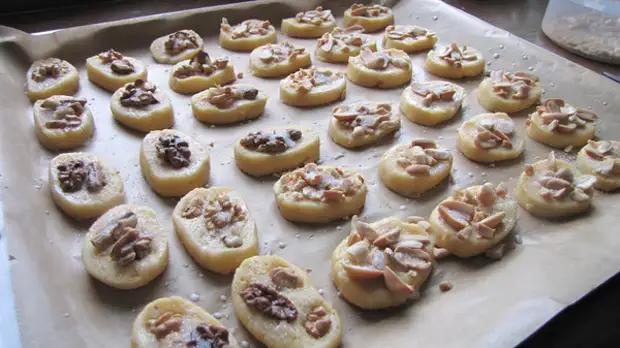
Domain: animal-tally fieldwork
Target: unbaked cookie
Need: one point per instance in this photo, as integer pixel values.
(320, 193)
(454, 61)
(412, 169)
(126, 248)
(386, 69)
(558, 124)
(111, 70)
(509, 92)
(142, 106)
(247, 35)
(474, 219)
(340, 44)
(602, 159)
(201, 72)
(228, 104)
(370, 17)
(62, 122)
(178, 46)
(276, 301)
(311, 87)
(216, 228)
(554, 188)
(383, 264)
(173, 163)
(363, 123)
(309, 24)
(276, 150)
(490, 137)
(409, 38)
(51, 76)
(431, 103)
(176, 322)
(83, 185)
(277, 60)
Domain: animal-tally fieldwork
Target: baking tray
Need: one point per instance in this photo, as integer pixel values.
(493, 304)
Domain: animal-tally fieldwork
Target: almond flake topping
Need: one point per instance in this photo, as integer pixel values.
(364, 119)
(421, 156)
(344, 39)
(407, 32)
(455, 55)
(360, 10)
(562, 183)
(382, 60)
(305, 79)
(317, 16)
(515, 85)
(321, 183)
(557, 116)
(434, 93)
(606, 152)
(283, 51)
(247, 28)
(494, 133)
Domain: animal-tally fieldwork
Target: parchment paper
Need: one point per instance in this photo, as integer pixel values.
(493, 304)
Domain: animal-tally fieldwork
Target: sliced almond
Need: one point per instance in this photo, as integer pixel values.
(462, 207)
(551, 161)
(396, 285)
(358, 252)
(565, 174)
(486, 195)
(585, 182)
(440, 253)
(409, 244)
(494, 220)
(555, 183)
(418, 169)
(378, 258)
(580, 196)
(414, 219)
(453, 218)
(342, 114)
(566, 128)
(361, 272)
(416, 259)
(465, 233)
(365, 230)
(387, 239)
(585, 115)
(483, 230)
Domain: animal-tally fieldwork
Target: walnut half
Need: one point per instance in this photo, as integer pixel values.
(73, 174)
(180, 41)
(271, 142)
(267, 300)
(138, 94)
(208, 336)
(67, 112)
(173, 150)
(122, 240)
(318, 322)
(48, 68)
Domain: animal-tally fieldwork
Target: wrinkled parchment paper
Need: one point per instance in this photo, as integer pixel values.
(493, 304)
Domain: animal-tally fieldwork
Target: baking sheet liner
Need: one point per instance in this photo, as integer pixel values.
(493, 304)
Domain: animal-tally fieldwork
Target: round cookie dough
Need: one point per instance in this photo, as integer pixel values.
(51, 76)
(112, 70)
(201, 72)
(277, 60)
(558, 124)
(247, 35)
(431, 103)
(340, 44)
(312, 87)
(490, 137)
(389, 68)
(229, 104)
(176, 47)
(409, 38)
(371, 17)
(62, 122)
(601, 159)
(142, 106)
(309, 24)
(509, 92)
(454, 61)
(364, 123)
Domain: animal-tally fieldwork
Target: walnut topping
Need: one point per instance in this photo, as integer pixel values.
(360, 10)
(512, 85)
(246, 28)
(344, 38)
(305, 79)
(557, 116)
(286, 278)
(208, 336)
(317, 322)
(220, 213)
(455, 55)
(138, 94)
(560, 182)
(67, 112)
(200, 65)
(225, 97)
(166, 324)
(194, 208)
(421, 156)
(73, 174)
(407, 32)
(51, 67)
(276, 53)
(382, 60)
(494, 133)
(432, 93)
(364, 119)
(608, 153)
(180, 41)
(271, 142)
(173, 150)
(317, 16)
(320, 184)
(122, 240)
(266, 299)
(118, 63)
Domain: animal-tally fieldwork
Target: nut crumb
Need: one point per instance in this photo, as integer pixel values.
(445, 286)
(239, 75)
(569, 148)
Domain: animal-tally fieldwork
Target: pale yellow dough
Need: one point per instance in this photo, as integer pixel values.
(509, 92)
(162, 176)
(389, 68)
(298, 152)
(409, 38)
(601, 159)
(143, 118)
(184, 45)
(412, 169)
(371, 17)
(431, 103)
(309, 24)
(218, 249)
(201, 72)
(466, 61)
(490, 137)
(247, 35)
(238, 110)
(100, 263)
(190, 314)
(275, 333)
(51, 76)
(495, 217)
(277, 60)
(364, 123)
(105, 70)
(47, 118)
(85, 204)
(317, 194)
(312, 87)
(558, 124)
(340, 44)
(539, 199)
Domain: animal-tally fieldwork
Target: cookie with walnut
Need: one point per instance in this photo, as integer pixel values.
(454, 61)
(601, 159)
(389, 68)
(126, 248)
(269, 292)
(490, 137)
(176, 47)
(371, 17)
(176, 322)
(276, 150)
(340, 44)
(142, 106)
(229, 104)
(409, 38)
(216, 228)
(201, 72)
(312, 87)
(112, 70)
(309, 24)
(364, 123)
(173, 163)
(62, 122)
(474, 219)
(431, 103)
(509, 92)
(51, 76)
(247, 35)
(558, 124)
(317, 194)
(83, 185)
(277, 60)
(383, 264)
